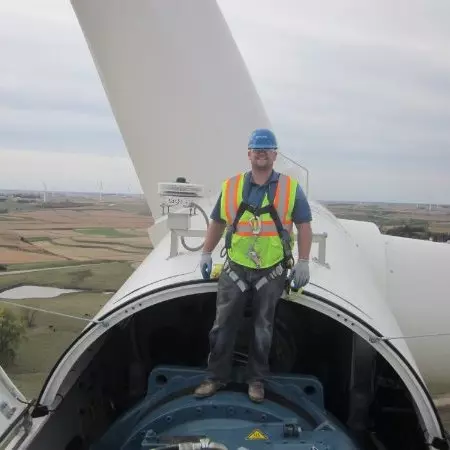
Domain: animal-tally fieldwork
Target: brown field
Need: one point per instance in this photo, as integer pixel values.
(132, 242)
(87, 233)
(89, 253)
(13, 250)
(79, 218)
(16, 257)
(440, 228)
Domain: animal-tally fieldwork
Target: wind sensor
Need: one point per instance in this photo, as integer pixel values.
(180, 189)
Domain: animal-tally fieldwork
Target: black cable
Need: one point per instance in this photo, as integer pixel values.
(183, 241)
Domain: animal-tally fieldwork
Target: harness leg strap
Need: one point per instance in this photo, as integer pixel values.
(241, 284)
(276, 272)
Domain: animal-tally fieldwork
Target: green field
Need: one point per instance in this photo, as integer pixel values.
(99, 278)
(14, 206)
(39, 239)
(108, 232)
(49, 335)
(112, 242)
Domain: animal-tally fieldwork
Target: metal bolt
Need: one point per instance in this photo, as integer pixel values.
(230, 410)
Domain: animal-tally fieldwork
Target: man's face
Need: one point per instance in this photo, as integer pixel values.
(262, 159)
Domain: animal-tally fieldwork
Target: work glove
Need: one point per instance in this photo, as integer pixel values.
(300, 274)
(206, 265)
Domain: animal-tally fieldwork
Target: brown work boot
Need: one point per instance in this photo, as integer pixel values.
(207, 388)
(256, 391)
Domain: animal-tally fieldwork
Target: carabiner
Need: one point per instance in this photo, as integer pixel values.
(256, 224)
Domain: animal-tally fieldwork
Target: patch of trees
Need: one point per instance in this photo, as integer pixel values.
(12, 331)
(3, 210)
(417, 232)
(410, 231)
(26, 195)
(440, 237)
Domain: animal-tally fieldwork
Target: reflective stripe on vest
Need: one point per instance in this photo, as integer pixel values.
(233, 187)
(268, 229)
(281, 201)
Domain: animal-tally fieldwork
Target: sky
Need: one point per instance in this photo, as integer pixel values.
(357, 91)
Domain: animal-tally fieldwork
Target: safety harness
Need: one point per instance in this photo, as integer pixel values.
(288, 260)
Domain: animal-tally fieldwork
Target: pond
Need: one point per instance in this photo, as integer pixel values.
(22, 292)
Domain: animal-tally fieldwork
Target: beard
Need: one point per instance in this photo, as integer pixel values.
(261, 163)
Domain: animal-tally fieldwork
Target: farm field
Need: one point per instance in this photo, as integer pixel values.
(434, 218)
(69, 243)
(48, 335)
(114, 230)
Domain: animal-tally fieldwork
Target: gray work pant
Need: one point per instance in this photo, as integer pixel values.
(231, 300)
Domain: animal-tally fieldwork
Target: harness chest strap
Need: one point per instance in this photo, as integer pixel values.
(235, 277)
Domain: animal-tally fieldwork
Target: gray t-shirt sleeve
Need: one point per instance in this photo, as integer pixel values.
(215, 215)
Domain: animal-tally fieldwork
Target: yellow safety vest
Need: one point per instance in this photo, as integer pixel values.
(267, 243)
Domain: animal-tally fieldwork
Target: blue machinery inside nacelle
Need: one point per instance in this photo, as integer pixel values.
(171, 418)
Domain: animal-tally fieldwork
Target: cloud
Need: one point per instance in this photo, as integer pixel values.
(67, 171)
(358, 91)
(59, 130)
(51, 98)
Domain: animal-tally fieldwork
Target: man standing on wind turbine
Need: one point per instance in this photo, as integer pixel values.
(259, 209)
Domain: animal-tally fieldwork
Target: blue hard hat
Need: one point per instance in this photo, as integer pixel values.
(263, 139)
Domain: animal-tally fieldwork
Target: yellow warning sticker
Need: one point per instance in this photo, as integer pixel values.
(257, 435)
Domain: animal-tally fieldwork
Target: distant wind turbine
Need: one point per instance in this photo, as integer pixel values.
(45, 192)
(101, 191)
